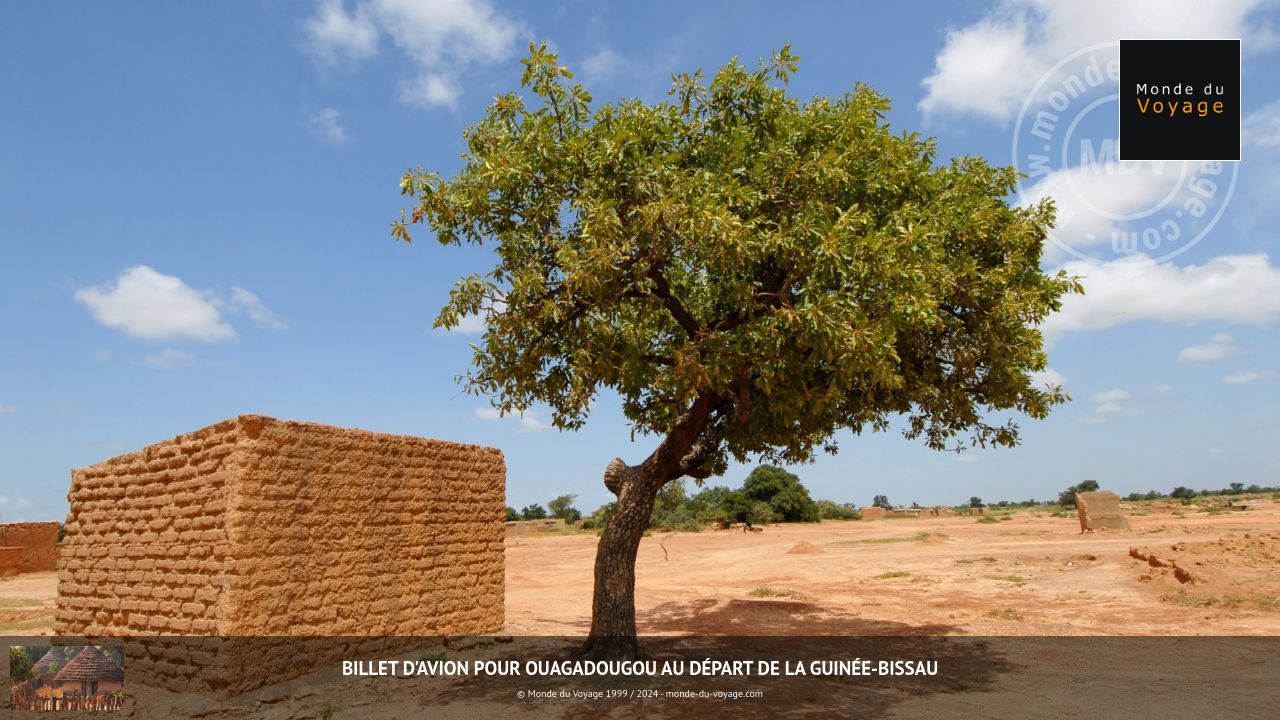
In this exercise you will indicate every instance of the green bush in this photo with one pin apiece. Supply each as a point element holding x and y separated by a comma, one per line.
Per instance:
<point>830,510</point>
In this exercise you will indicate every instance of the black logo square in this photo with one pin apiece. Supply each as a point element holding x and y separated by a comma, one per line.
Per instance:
<point>1179,99</point>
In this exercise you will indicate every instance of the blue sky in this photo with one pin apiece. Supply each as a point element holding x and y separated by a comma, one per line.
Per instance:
<point>195,199</point>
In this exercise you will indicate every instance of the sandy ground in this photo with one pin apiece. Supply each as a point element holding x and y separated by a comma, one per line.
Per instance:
<point>1029,575</point>
<point>1024,576</point>
<point>944,586</point>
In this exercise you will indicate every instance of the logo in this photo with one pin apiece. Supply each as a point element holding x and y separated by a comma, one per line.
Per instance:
<point>1067,145</point>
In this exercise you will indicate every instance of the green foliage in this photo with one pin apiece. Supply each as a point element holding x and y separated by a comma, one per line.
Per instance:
<point>1183,493</point>
<point>1067,498</point>
<point>759,513</point>
<point>787,498</point>
<point>673,511</point>
<point>598,519</point>
<point>512,514</point>
<point>19,663</point>
<point>533,512</point>
<point>830,510</point>
<point>562,507</point>
<point>975,502</point>
<point>882,501</point>
<point>793,264</point>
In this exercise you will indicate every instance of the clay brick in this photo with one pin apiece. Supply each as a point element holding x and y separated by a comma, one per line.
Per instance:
<point>282,528</point>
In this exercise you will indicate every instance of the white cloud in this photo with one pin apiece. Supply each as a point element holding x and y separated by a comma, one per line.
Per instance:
<point>324,124</point>
<point>153,306</point>
<point>1047,379</point>
<point>988,68</point>
<point>1122,189</point>
<point>431,90</point>
<point>1220,346</point>
<point>603,65</point>
<point>1238,289</point>
<point>6,409</point>
<point>243,301</point>
<point>168,359</point>
<point>334,35</point>
<point>1241,378</point>
<point>1111,402</point>
<point>441,38</point>
<point>527,421</point>
<point>150,305</point>
<point>1261,128</point>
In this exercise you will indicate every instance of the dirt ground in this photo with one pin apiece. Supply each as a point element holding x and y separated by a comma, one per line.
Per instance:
<point>1178,572</point>
<point>1027,575</point>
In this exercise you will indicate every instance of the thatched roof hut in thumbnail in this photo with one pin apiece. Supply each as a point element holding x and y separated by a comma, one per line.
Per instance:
<point>91,672</point>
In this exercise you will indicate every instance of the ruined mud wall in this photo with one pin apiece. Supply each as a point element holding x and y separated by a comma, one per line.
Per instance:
<point>256,526</point>
<point>39,543</point>
<point>10,561</point>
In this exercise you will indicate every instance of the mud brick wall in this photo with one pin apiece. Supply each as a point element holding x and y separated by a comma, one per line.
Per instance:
<point>39,543</point>
<point>256,526</point>
<point>10,561</point>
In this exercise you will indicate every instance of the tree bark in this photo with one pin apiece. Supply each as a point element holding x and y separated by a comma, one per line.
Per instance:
<point>613,606</point>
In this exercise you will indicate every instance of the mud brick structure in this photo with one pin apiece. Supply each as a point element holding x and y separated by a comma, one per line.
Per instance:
<point>10,561</point>
<point>1100,510</point>
<point>872,513</point>
<point>39,543</point>
<point>262,527</point>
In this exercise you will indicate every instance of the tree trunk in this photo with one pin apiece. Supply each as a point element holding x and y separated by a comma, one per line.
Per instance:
<point>613,607</point>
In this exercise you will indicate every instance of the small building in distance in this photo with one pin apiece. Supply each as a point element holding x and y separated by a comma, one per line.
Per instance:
<point>90,672</point>
<point>872,513</point>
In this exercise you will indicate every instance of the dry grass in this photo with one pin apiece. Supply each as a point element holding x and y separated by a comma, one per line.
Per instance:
<point>771,592</point>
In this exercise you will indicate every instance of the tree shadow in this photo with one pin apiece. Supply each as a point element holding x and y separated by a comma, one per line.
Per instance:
<point>786,631</point>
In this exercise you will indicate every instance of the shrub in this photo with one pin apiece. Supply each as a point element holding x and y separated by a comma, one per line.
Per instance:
<point>830,510</point>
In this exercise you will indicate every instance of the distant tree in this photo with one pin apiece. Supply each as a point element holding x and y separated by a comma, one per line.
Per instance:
<point>752,271</point>
<point>672,509</point>
<point>975,502</point>
<point>512,514</point>
<point>533,512</point>
<point>783,491</point>
<point>1067,498</point>
<point>19,663</point>
<point>562,507</point>
<point>1237,488</point>
<point>1183,493</point>
<point>915,505</point>
<point>759,513</point>
<point>599,519</point>
<point>882,501</point>
<point>1153,495</point>
<point>831,510</point>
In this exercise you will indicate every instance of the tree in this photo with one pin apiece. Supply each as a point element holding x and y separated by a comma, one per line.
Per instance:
<point>1182,493</point>
<point>1067,498</point>
<point>20,663</point>
<point>562,507</point>
<point>533,512</point>
<point>882,501</point>
<point>785,495</point>
<point>975,502</point>
<point>747,271</point>
<point>512,514</point>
